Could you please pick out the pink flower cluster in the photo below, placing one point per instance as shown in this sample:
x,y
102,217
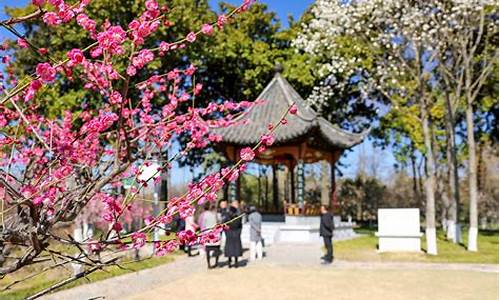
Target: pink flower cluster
x,y
142,58
187,237
76,57
82,148
146,24
87,23
46,72
247,154
162,248
63,12
138,240
110,40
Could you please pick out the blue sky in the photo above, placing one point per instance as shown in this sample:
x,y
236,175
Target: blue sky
x,y
283,8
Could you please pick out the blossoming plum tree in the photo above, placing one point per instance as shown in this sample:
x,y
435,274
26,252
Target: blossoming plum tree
x,y
52,168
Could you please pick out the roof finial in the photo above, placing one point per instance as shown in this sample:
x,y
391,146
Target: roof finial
x,y
278,68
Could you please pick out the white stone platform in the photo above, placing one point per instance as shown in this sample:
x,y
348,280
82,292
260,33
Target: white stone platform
x,y
298,229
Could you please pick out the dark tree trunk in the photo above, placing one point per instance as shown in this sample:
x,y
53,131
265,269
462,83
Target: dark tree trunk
x,y
430,180
416,192
471,145
454,230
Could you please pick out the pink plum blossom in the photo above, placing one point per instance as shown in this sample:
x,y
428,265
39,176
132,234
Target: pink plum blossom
x,y
76,56
267,139
247,154
46,72
207,29
191,37
38,2
22,43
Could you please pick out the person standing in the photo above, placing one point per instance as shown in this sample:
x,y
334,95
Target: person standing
x,y
233,248
223,217
326,231
192,226
207,221
255,221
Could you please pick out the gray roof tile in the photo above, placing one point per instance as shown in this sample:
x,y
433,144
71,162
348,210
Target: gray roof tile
x,y
278,96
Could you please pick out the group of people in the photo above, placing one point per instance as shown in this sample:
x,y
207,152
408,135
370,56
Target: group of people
x,y
230,240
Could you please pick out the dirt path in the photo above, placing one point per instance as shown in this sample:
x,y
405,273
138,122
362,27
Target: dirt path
x,y
277,283
294,272
133,283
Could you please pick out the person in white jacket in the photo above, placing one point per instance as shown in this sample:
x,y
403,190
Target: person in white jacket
x,y
255,221
191,225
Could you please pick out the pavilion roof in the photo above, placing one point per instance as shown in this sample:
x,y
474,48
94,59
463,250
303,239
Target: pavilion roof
x,y
277,97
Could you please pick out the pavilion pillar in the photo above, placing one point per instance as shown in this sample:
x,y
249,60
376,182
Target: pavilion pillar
x,y
233,190
292,183
164,185
334,204
234,185
275,187
286,185
300,183
238,187
325,185
164,179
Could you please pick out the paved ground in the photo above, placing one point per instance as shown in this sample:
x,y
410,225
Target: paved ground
x,y
294,272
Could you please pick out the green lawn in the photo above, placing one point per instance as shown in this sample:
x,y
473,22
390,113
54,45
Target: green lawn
x,y
38,283
364,249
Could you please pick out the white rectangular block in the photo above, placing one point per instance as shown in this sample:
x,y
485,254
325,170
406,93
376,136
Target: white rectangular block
x,y
399,229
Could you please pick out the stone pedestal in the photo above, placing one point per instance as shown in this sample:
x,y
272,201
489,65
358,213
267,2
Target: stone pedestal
x,y
399,230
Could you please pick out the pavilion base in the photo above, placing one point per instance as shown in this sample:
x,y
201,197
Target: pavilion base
x,y
299,229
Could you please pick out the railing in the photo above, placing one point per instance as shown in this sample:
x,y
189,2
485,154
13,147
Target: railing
x,y
293,209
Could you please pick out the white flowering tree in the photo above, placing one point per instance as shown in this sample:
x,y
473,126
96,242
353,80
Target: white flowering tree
x,y
410,52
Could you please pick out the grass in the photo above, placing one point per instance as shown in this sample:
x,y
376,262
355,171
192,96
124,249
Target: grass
x,y
364,249
45,280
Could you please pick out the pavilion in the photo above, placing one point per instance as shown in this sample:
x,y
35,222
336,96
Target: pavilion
x,y
307,138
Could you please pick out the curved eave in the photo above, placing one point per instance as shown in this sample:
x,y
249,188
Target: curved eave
x,y
250,134
339,138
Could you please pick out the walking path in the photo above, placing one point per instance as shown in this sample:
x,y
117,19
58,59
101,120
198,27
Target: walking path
x,y
294,272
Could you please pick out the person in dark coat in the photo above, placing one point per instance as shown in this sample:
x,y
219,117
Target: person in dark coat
x,y
326,231
233,247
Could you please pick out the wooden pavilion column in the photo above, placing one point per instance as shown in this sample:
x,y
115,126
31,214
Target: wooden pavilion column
x,y
334,204
164,180
234,185
238,187
275,187
232,190
300,182
292,183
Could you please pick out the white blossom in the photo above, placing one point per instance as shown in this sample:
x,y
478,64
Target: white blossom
x,y
391,28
